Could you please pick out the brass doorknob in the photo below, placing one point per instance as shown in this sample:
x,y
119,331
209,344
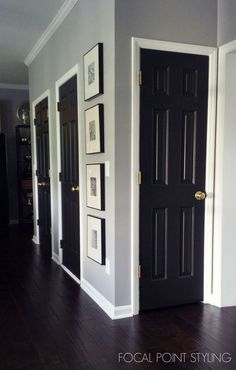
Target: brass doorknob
x,y
42,183
200,195
75,188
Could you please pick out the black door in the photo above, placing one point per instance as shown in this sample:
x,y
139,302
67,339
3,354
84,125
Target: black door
x,y
43,174
70,176
173,127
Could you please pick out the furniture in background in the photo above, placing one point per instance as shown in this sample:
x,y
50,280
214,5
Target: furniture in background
x,y
24,173
4,202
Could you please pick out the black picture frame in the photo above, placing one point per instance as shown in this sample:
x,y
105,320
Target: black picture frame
x,y
95,116
95,179
93,72
96,239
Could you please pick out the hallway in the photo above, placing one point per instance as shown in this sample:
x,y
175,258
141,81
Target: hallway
x,y
48,322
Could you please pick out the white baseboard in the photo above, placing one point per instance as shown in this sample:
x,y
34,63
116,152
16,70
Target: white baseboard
x,y
213,300
13,222
121,312
71,274
56,258
230,302
35,240
114,312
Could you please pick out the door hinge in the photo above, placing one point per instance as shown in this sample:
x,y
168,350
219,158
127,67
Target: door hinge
x,y
37,172
139,178
140,78
35,121
58,106
49,173
47,113
139,271
61,244
60,176
38,222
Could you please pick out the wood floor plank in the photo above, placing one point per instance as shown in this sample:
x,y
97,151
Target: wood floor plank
x,y
48,323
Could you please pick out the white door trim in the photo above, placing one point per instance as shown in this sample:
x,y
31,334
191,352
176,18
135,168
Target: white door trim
x,y
72,72
43,96
224,51
209,270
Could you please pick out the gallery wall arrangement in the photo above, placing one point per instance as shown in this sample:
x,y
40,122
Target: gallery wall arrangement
x,y
94,133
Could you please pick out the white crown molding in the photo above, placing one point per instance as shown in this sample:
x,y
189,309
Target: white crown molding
x,y
50,30
13,86
114,312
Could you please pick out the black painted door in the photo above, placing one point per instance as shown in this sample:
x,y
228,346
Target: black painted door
x,y
173,128
43,174
70,176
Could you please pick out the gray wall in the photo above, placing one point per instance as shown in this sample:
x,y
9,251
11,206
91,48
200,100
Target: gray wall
x,y
226,21
11,99
187,21
88,23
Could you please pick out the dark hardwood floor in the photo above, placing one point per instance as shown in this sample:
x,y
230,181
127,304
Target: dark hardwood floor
x,y
48,322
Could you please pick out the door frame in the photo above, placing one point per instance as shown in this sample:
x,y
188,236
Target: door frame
x,y
74,71
222,299
43,96
211,52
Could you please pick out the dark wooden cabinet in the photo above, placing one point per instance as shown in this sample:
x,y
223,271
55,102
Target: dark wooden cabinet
x,y
24,172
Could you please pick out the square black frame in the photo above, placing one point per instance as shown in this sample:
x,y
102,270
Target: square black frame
x,y
103,239
102,185
100,89
101,129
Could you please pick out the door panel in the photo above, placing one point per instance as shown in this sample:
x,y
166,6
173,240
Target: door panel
x,y
173,126
159,253
70,176
188,162
43,168
160,138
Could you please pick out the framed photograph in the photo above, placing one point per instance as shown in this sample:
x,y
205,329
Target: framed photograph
x,y
94,127
96,239
96,186
93,72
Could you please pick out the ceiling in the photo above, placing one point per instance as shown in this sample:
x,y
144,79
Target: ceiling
x,y
22,22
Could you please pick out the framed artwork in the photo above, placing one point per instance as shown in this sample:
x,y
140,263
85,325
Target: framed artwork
x,y
94,127
96,239
96,186
93,72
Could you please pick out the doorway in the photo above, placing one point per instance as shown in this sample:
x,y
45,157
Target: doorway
x,y
137,45
41,122
69,176
173,129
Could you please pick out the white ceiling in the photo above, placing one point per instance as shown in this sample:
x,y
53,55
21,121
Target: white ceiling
x,y
22,22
